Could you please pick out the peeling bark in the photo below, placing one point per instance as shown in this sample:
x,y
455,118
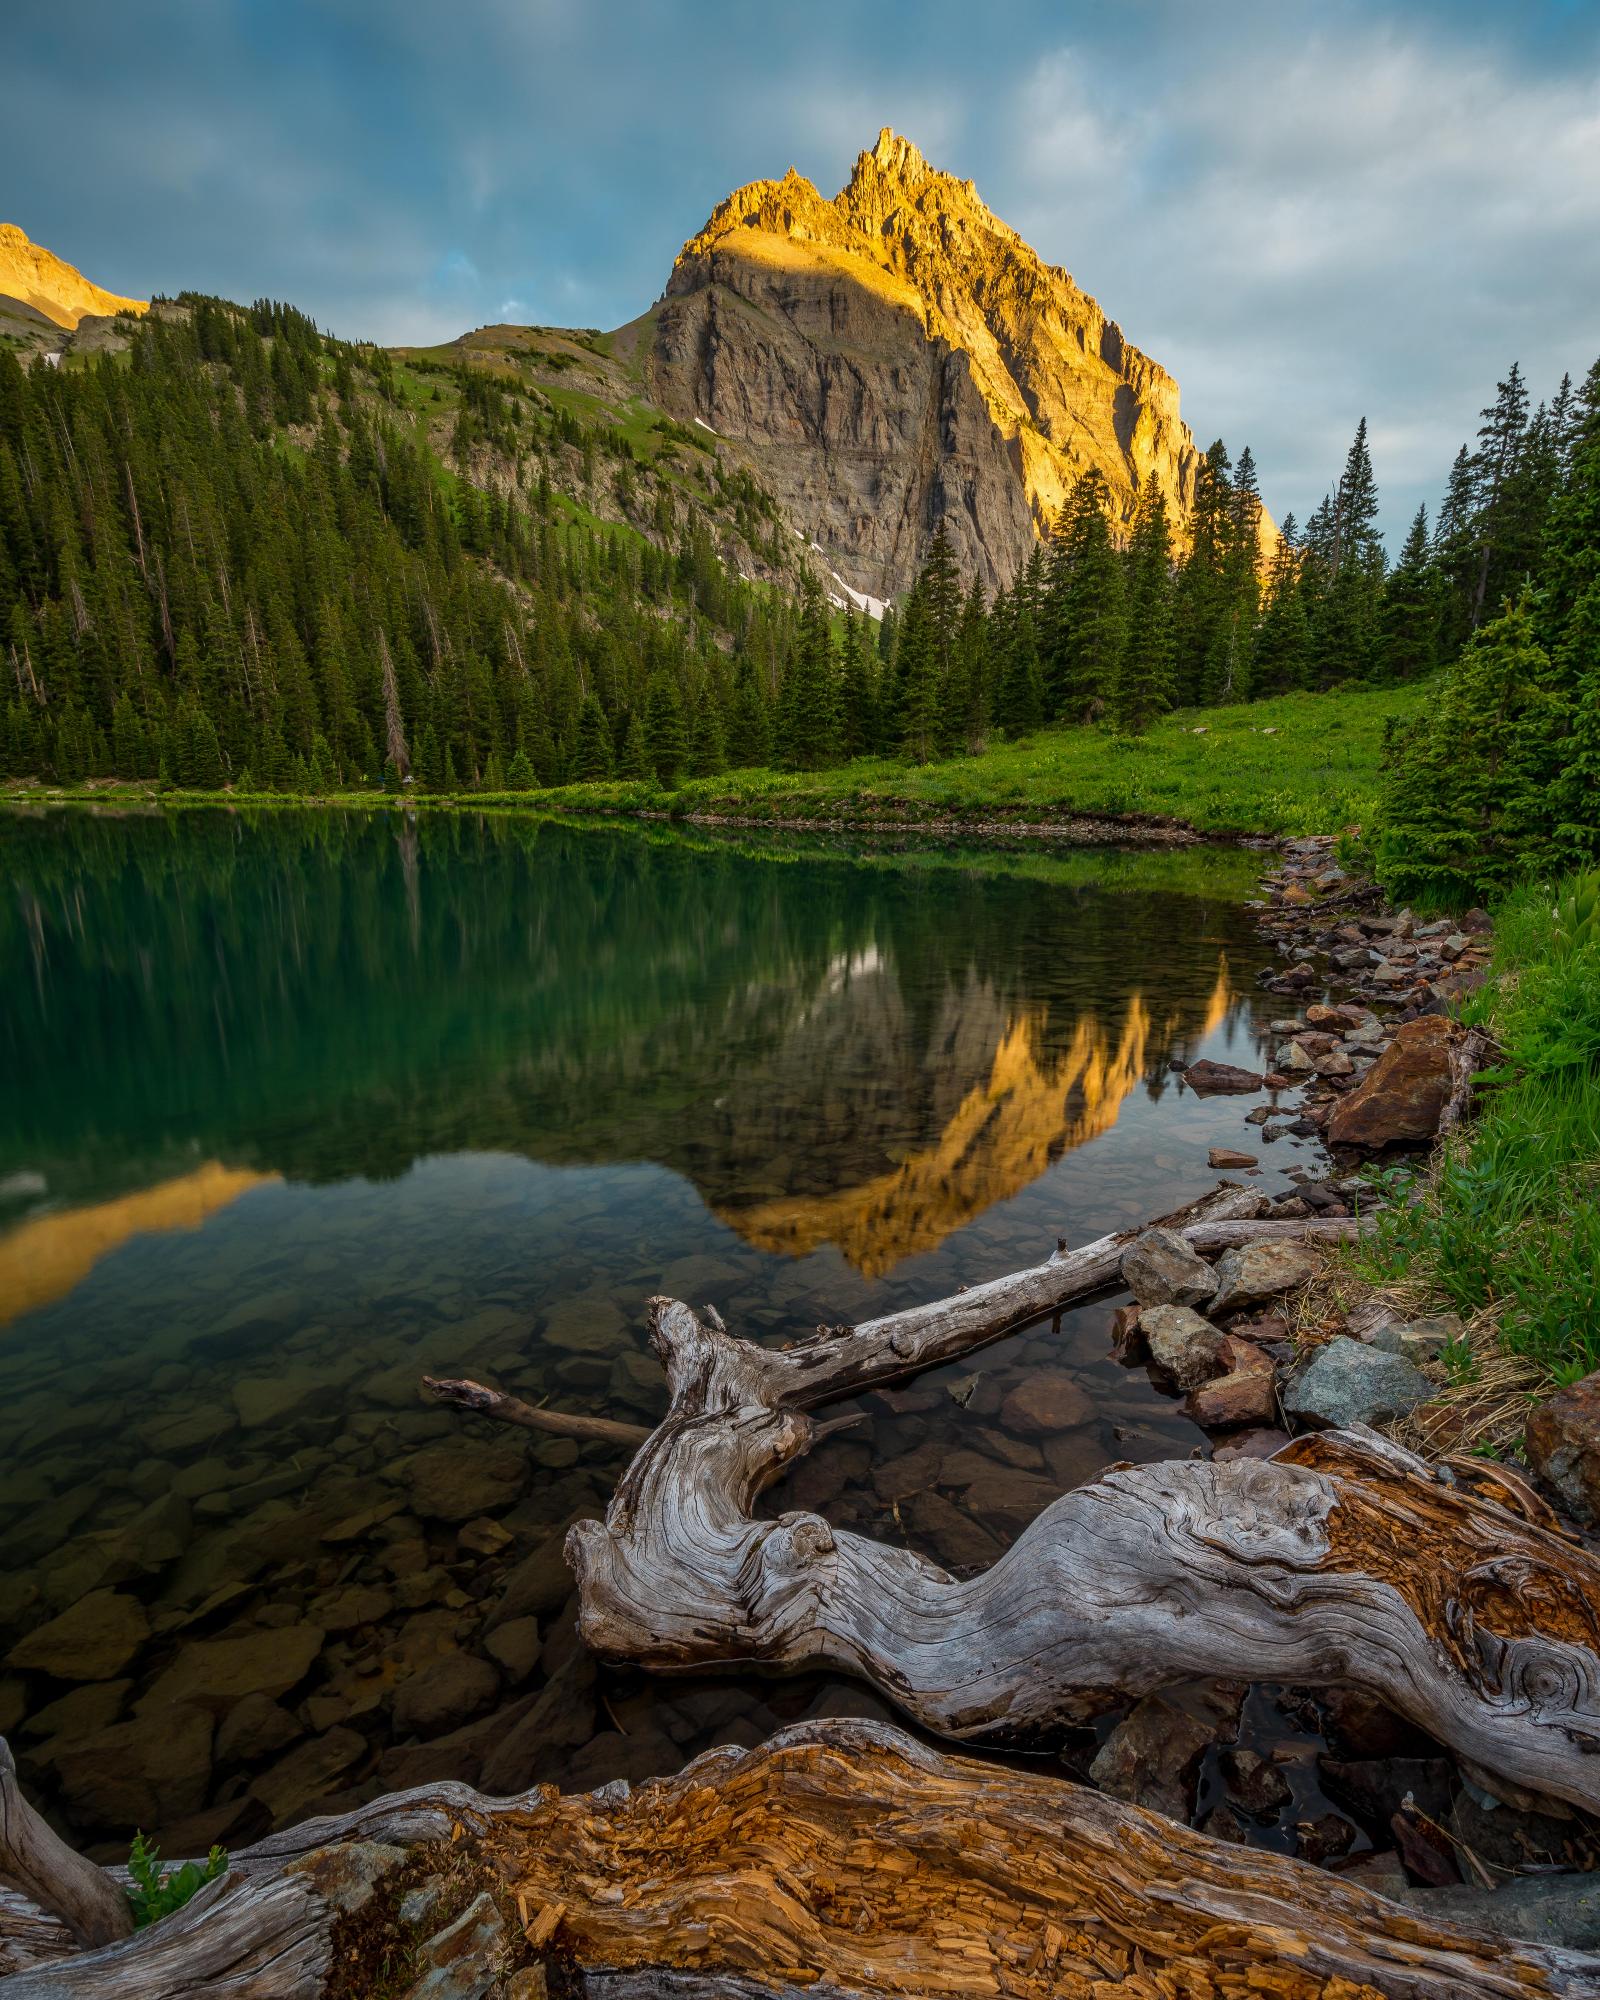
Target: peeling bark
x,y
844,1859
1341,1561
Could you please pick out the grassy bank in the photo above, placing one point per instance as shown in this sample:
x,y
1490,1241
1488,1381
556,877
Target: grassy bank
x,y
1507,1227
1301,764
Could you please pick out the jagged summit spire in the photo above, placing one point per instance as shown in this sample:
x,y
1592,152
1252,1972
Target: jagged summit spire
x,y
894,156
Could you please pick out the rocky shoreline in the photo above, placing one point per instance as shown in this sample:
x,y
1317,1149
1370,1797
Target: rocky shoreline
x,y
1373,1061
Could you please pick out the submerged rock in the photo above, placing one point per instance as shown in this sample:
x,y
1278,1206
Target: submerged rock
x,y
1161,1268
447,1691
92,1641
1050,1399
1344,1382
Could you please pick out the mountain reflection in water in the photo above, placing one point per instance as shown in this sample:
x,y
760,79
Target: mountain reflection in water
x,y
831,1054
299,1108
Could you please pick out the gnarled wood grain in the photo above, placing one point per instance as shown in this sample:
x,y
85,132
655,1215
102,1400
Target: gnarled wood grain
x,y
1341,1561
842,1859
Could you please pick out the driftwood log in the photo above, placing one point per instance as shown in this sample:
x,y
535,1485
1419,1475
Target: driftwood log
x,y
839,1858
1341,1561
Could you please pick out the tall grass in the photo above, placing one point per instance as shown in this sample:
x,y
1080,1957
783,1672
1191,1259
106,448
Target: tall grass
x,y
1510,1217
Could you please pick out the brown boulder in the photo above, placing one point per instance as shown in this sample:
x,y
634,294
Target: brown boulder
x,y
1563,1446
1152,1758
1401,1098
1214,1078
1048,1400
1246,1397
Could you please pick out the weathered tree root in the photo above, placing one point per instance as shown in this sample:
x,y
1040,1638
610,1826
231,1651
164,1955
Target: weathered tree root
x,y
1341,1561
844,1858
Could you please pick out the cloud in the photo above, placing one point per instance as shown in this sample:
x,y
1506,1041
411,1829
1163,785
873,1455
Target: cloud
x,y
1307,212
1309,229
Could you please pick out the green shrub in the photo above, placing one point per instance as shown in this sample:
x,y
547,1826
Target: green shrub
x,y
158,1891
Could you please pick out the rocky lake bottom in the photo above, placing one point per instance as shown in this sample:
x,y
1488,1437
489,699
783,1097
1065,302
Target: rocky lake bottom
x,y
310,1107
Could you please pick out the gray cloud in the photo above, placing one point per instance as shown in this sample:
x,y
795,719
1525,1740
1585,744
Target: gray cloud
x,y
1307,213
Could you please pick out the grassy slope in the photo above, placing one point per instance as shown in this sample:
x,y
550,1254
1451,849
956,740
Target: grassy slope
x,y
1318,773
1507,1227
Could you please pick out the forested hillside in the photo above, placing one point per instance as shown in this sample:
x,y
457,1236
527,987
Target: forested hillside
x,y
240,553
231,554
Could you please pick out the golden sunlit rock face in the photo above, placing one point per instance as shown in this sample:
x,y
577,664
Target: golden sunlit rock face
x,y
1004,1134
899,356
42,1259
42,280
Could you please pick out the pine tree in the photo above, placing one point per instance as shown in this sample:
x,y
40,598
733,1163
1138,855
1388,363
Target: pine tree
x,y
633,760
1083,620
749,726
1468,795
1283,637
1200,599
520,774
1345,621
858,717
591,752
1019,702
1144,682
1494,467
708,753
808,715
666,740
1408,640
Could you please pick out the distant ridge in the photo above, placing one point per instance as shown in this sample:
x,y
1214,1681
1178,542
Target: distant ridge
x,y
38,278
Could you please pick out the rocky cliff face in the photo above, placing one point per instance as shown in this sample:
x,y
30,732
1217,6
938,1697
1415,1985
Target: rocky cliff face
x,y
897,357
38,278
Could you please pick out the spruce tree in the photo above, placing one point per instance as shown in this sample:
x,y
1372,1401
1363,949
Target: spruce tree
x,y
1469,791
1083,621
1283,637
666,740
1200,602
708,753
1408,640
633,760
1143,687
591,750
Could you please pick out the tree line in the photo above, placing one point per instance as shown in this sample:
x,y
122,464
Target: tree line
x,y
231,556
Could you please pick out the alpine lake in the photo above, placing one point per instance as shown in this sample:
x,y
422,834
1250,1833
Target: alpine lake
x,y
299,1107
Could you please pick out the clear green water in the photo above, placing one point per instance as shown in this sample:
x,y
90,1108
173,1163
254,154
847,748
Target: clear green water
x,y
299,1108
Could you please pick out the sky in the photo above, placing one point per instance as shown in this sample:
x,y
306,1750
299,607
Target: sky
x,y
1307,213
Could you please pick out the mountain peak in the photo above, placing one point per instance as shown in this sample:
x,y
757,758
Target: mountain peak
x,y
39,278
898,356
894,157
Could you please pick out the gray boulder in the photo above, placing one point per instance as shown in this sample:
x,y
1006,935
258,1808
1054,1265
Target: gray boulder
x,y
1344,1382
1182,1344
1256,1272
1161,1269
